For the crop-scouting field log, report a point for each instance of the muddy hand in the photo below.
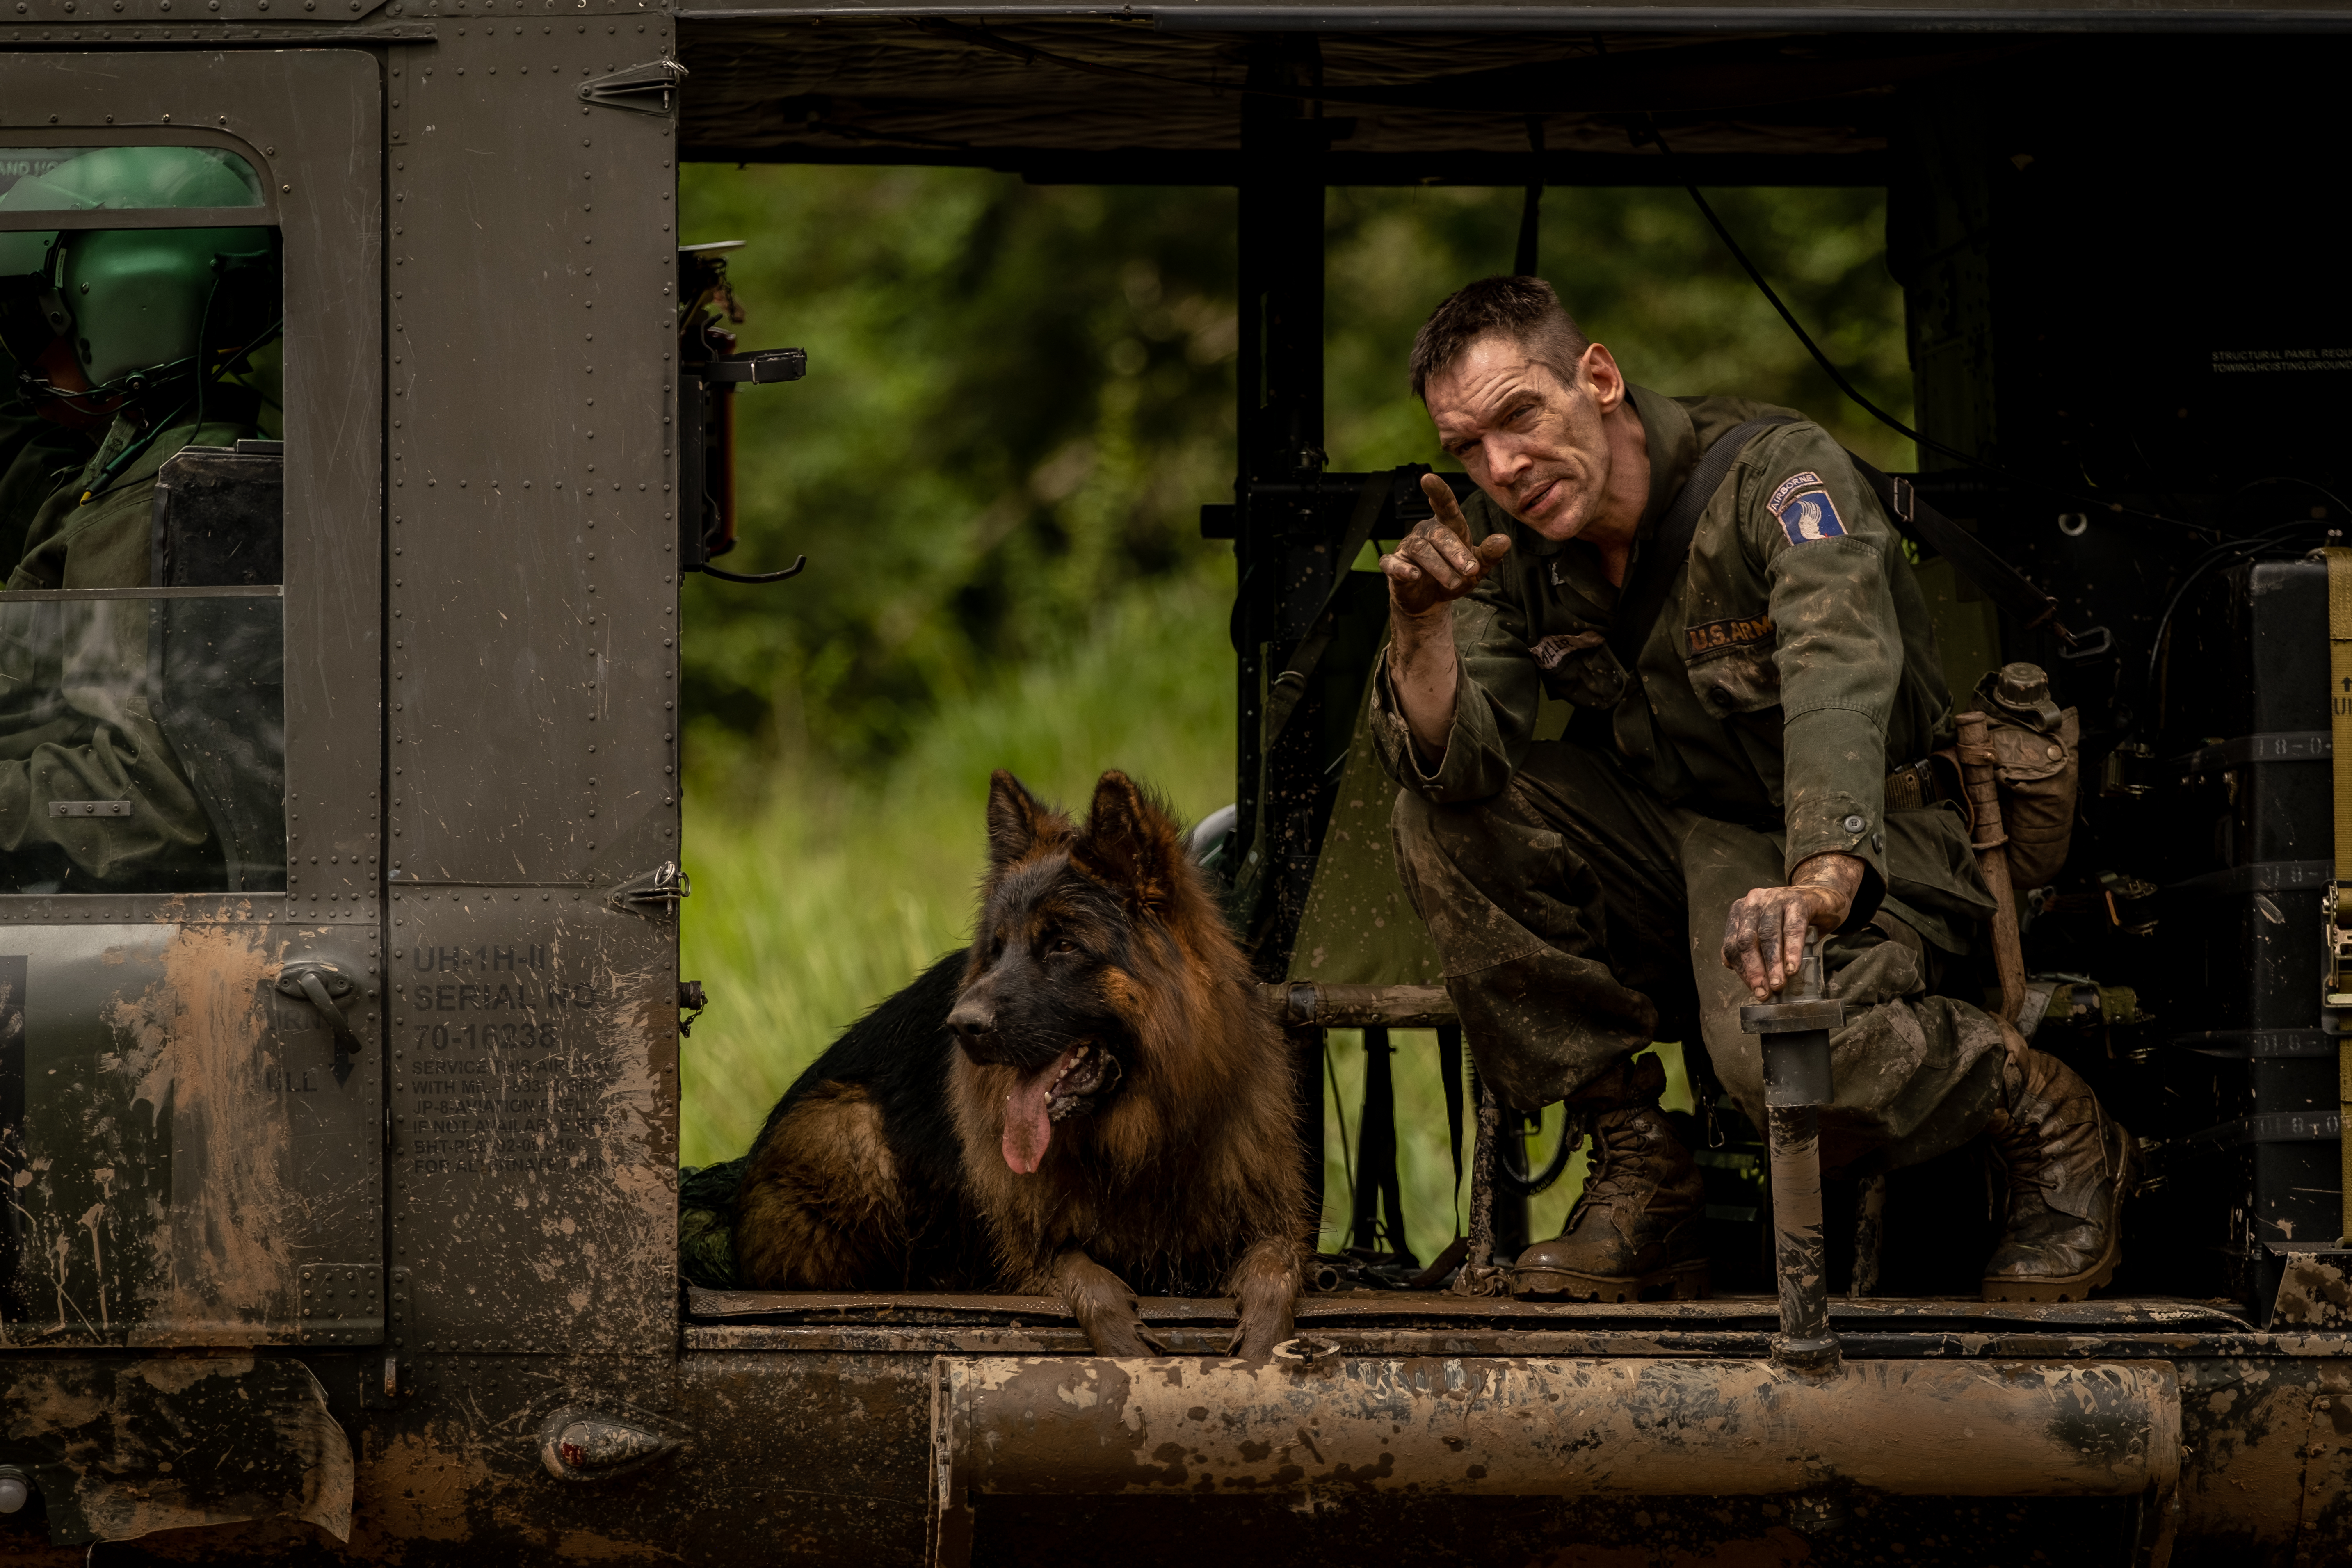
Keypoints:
(1764, 935)
(1436, 563)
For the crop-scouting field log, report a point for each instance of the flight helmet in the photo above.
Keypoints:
(99, 317)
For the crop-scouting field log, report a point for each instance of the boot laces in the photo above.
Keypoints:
(1618, 1142)
(2030, 1174)
(2030, 1157)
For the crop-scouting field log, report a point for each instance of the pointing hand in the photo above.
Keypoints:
(1436, 563)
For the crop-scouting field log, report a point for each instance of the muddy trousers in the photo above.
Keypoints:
(1579, 917)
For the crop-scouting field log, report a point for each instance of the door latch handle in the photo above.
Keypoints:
(321, 984)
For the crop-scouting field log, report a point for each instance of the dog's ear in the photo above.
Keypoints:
(1018, 824)
(1130, 842)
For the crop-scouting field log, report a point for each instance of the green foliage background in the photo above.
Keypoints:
(1018, 398)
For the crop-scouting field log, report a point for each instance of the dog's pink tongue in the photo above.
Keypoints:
(1028, 1127)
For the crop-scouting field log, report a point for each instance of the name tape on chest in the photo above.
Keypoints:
(1804, 510)
(1551, 650)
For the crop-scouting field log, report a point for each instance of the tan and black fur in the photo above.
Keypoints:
(1093, 1082)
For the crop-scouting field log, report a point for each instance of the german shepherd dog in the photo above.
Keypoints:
(1087, 1102)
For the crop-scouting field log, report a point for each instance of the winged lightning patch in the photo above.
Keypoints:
(1804, 510)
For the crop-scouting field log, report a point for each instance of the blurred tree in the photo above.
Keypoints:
(1017, 399)
(1641, 272)
(1019, 396)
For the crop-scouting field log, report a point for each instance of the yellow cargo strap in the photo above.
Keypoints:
(2338, 957)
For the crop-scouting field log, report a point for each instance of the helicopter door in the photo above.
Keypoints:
(192, 1044)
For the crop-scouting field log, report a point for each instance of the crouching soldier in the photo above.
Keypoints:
(1747, 683)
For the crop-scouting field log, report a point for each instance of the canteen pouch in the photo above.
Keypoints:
(2037, 758)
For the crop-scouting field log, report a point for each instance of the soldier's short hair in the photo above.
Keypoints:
(1526, 310)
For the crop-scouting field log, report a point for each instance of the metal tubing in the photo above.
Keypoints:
(1507, 1203)
(1797, 1080)
(1183, 1427)
(1307, 1103)
(1279, 431)
(1869, 1236)
(1378, 1209)
(1360, 1007)
(1480, 1274)
(1800, 1261)
(1797, 1067)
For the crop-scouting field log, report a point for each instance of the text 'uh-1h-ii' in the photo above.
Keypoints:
(365, 410)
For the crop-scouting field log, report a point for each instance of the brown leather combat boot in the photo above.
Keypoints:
(1636, 1226)
(2069, 1169)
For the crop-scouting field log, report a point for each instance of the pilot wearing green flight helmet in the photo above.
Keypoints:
(144, 339)
(132, 335)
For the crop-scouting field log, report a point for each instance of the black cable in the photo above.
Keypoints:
(2237, 548)
(1828, 367)
(1524, 1182)
(204, 330)
(791, 570)
(2162, 480)
(130, 453)
(2311, 485)
(1838, 376)
(1523, 260)
(1346, 1160)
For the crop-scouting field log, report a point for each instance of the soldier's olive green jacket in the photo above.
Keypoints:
(1791, 671)
(77, 694)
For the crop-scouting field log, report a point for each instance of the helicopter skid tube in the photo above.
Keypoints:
(1544, 1426)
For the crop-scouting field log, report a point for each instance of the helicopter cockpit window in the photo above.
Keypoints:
(182, 181)
(142, 457)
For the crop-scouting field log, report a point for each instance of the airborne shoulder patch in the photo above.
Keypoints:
(1807, 480)
(1804, 510)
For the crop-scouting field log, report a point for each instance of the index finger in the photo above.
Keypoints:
(1793, 941)
(1448, 509)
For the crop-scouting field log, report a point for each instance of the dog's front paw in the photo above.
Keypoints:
(1257, 1333)
(1105, 1307)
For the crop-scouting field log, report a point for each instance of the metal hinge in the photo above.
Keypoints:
(642, 90)
(651, 891)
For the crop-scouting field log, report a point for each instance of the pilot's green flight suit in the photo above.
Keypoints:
(1577, 889)
(76, 721)
(35, 455)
